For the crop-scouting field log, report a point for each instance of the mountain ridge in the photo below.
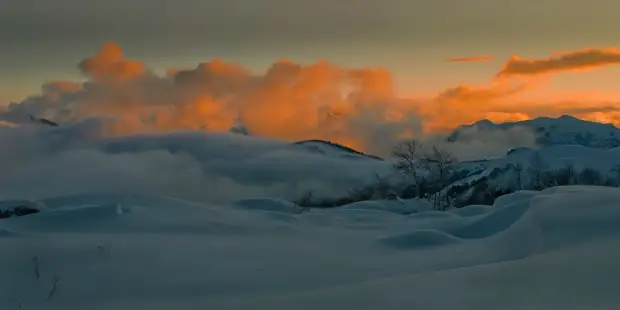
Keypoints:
(549, 131)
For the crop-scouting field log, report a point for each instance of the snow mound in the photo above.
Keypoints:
(112, 198)
(471, 210)
(558, 248)
(494, 223)
(8, 233)
(267, 204)
(433, 215)
(403, 206)
(420, 239)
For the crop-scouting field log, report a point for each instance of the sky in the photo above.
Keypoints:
(43, 40)
(460, 54)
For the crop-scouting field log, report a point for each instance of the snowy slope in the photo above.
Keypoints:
(557, 249)
(551, 131)
(517, 170)
(605, 161)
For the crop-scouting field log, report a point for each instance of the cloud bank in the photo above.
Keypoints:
(588, 58)
(357, 107)
(290, 101)
(207, 167)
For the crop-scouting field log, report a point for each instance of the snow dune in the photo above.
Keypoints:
(556, 249)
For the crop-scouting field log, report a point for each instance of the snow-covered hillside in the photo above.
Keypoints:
(556, 249)
(537, 169)
(550, 131)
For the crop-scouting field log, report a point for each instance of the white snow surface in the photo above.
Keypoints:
(556, 249)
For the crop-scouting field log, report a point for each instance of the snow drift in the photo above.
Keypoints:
(555, 249)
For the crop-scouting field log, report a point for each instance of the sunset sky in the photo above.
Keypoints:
(430, 47)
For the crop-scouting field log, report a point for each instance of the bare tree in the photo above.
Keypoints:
(407, 163)
(381, 188)
(518, 167)
(438, 164)
(439, 161)
(591, 176)
(537, 171)
(616, 171)
(361, 193)
(566, 175)
(395, 196)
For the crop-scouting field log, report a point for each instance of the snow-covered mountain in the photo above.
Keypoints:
(567, 151)
(550, 131)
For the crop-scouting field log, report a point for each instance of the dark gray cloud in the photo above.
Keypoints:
(225, 21)
(214, 21)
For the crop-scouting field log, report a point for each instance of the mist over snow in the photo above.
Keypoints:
(42, 161)
(212, 167)
(477, 143)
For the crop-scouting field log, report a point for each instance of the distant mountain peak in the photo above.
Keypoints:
(43, 121)
(321, 146)
(484, 122)
(562, 130)
(568, 117)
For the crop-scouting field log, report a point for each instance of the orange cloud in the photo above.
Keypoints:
(358, 107)
(471, 59)
(588, 58)
(109, 63)
(465, 104)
